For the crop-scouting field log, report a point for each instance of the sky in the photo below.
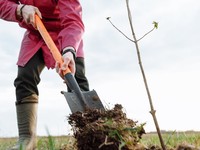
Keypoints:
(170, 57)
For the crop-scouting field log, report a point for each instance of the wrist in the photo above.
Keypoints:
(19, 11)
(69, 50)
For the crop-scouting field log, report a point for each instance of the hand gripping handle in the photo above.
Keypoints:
(50, 43)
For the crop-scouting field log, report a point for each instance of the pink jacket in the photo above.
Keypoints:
(63, 20)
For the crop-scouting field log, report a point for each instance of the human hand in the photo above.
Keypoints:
(68, 62)
(27, 12)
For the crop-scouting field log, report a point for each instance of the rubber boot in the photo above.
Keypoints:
(27, 121)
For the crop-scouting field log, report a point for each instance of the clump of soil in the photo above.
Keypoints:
(105, 130)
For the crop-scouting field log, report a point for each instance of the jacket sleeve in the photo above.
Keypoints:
(8, 10)
(72, 27)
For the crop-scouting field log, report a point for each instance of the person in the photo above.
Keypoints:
(63, 20)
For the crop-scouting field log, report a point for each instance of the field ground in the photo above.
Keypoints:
(171, 140)
(44, 143)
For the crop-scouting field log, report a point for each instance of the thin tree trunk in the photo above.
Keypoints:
(153, 112)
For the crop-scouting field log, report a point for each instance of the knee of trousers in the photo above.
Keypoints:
(26, 84)
(29, 99)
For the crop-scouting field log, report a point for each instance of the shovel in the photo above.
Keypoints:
(77, 100)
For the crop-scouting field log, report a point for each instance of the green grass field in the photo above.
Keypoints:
(171, 139)
(44, 143)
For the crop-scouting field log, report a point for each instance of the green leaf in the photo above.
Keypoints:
(155, 24)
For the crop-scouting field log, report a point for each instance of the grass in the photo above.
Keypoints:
(5, 143)
(171, 139)
(43, 143)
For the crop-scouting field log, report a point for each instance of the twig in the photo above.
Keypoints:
(108, 18)
(155, 27)
(105, 143)
(146, 34)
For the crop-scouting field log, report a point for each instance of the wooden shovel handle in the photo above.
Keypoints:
(49, 42)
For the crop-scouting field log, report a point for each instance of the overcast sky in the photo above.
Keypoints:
(170, 56)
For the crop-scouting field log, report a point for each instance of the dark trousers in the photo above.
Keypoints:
(28, 77)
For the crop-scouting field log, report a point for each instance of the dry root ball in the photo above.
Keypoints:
(105, 130)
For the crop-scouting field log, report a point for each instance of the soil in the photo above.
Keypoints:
(105, 130)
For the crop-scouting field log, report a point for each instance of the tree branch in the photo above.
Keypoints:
(108, 18)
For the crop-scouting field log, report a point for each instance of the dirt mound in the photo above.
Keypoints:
(105, 130)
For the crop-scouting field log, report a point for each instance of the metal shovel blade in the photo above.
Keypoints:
(92, 101)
